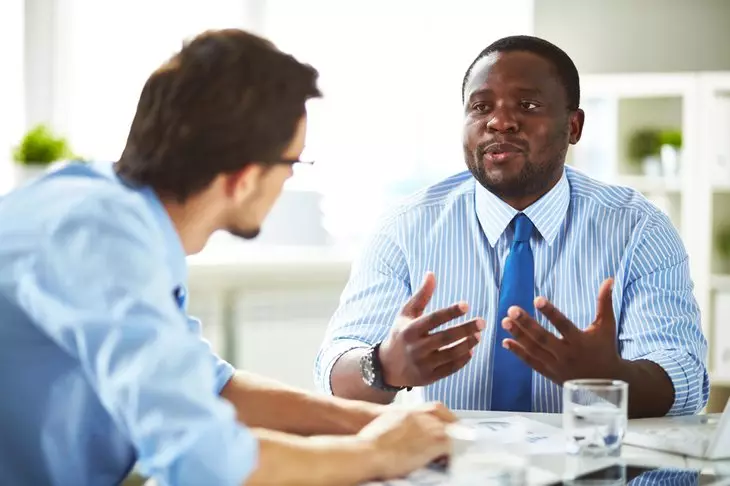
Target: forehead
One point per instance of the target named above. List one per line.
(516, 70)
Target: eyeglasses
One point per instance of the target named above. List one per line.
(289, 162)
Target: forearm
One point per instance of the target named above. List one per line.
(651, 392)
(265, 403)
(322, 460)
(347, 380)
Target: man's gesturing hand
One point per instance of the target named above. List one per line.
(591, 353)
(412, 355)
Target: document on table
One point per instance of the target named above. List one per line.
(534, 437)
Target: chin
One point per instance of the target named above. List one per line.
(504, 185)
(246, 234)
(504, 172)
(500, 179)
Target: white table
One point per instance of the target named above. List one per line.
(548, 468)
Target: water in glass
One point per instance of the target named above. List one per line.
(594, 417)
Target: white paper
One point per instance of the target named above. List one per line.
(531, 436)
(537, 437)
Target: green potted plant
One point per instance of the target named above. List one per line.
(722, 244)
(643, 151)
(37, 151)
(670, 142)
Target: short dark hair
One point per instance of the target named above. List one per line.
(228, 98)
(564, 66)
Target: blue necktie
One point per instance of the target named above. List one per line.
(512, 377)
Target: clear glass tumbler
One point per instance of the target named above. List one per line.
(595, 416)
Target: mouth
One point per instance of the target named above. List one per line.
(502, 152)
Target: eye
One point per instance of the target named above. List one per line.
(528, 105)
(479, 107)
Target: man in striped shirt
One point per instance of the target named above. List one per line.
(544, 274)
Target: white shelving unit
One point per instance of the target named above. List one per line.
(715, 142)
(697, 196)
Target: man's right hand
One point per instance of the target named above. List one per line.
(407, 440)
(394, 444)
(412, 355)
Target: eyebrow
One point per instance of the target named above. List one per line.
(477, 92)
(522, 91)
(530, 91)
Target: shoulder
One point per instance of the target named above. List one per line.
(431, 203)
(624, 208)
(74, 200)
(600, 198)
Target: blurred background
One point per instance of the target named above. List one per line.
(656, 91)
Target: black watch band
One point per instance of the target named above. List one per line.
(371, 369)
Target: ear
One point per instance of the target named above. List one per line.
(576, 125)
(241, 184)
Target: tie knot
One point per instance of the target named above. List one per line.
(523, 228)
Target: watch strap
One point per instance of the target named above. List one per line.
(378, 370)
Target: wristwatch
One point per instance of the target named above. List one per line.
(372, 371)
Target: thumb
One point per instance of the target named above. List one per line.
(604, 314)
(418, 302)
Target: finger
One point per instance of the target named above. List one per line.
(534, 363)
(523, 326)
(436, 441)
(450, 368)
(452, 353)
(604, 314)
(439, 410)
(449, 336)
(424, 324)
(536, 350)
(561, 323)
(418, 301)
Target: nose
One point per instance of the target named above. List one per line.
(503, 120)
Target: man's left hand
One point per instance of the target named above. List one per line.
(589, 353)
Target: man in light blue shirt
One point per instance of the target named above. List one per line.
(555, 275)
(101, 366)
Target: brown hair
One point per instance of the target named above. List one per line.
(228, 98)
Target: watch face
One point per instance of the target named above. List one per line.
(368, 373)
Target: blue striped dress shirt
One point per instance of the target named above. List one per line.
(587, 231)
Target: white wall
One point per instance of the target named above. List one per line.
(391, 73)
(87, 60)
(39, 49)
(12, 110)
(605, 36)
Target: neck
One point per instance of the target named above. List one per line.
(193, 225)
(523, 202)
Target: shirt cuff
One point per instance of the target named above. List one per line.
(223, 373)
(689, 378)
(330, 357)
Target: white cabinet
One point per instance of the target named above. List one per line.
(280, 331)
(721, 336)
(267, 311)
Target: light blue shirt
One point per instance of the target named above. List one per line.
(101, 366)
(586, 232)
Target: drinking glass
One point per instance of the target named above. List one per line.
(595, 416)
